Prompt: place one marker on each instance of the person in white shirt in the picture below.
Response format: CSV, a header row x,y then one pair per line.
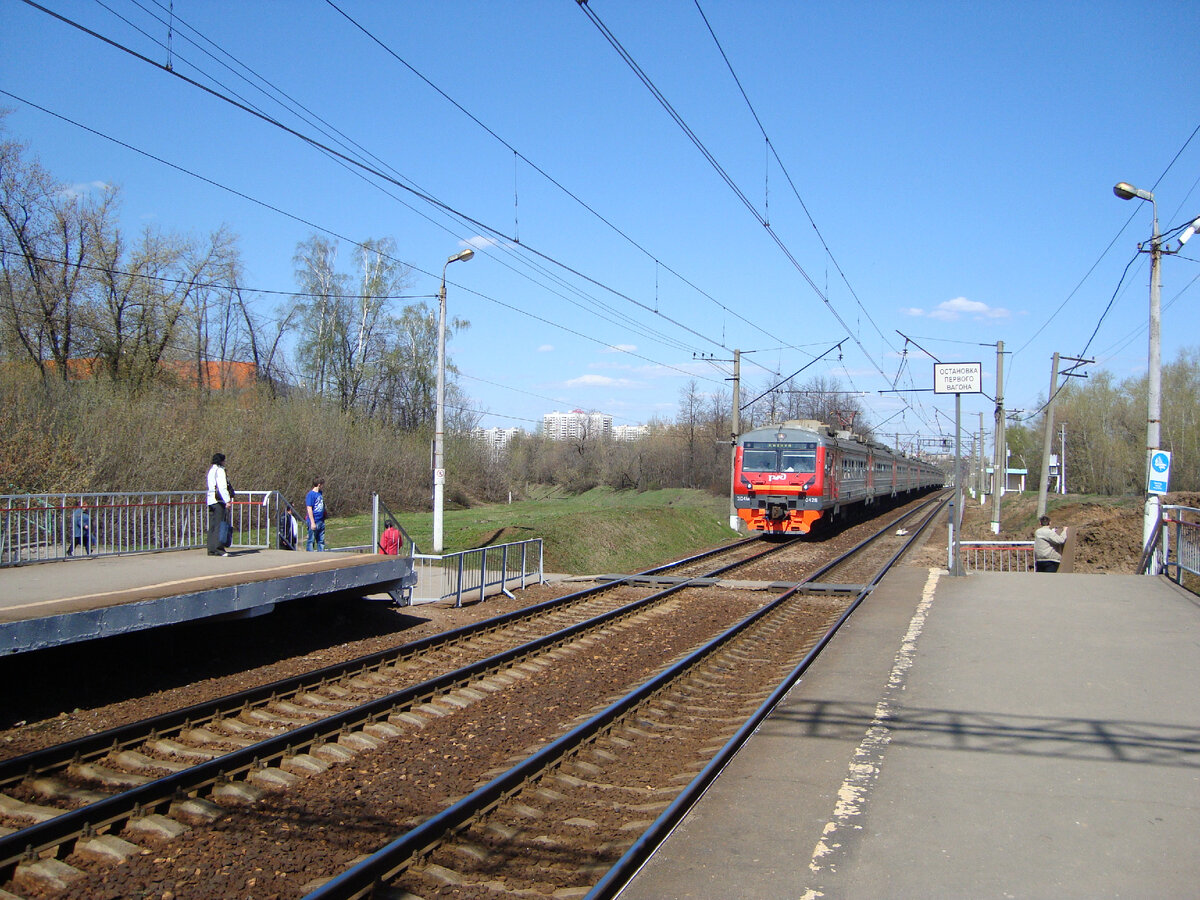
x,y
219,496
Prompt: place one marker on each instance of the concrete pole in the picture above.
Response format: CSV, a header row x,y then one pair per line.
x,y
956,514
1062,458
1048,438
439,460
981,472
1154,417
1000,450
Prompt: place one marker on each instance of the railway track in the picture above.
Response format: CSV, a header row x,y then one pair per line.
x,y
193,767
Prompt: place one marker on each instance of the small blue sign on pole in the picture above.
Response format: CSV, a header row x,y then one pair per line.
x,y
1160,472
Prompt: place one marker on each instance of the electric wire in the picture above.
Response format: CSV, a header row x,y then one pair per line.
x,y
537,168
420,194
633,65
337,235
786,174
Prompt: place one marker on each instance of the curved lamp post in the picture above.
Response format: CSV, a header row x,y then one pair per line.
x,y
1127,191
439,464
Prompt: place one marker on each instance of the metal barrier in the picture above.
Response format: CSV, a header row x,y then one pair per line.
x,y
1182,552
997,556
45,527
471,573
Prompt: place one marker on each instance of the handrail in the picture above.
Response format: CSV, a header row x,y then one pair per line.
x,y
471,573
51,527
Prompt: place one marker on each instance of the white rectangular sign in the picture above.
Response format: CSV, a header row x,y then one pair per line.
x,y
958,378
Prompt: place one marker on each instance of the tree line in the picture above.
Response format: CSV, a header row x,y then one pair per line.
x,y
109,339
108,342
1104,420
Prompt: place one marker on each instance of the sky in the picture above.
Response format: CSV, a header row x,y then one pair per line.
x,y
903,181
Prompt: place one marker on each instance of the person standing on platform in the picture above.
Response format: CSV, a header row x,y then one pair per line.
x,y
1047,546
219,497
289,529
314,511
391,540
81,530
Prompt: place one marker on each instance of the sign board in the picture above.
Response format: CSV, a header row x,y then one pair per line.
x,y
1160,472
958,378
439,476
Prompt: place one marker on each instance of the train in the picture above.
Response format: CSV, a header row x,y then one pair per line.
x,y
788,477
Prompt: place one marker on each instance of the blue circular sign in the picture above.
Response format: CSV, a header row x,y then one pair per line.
x,y
1161,462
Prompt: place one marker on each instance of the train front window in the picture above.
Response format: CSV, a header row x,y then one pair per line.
x,y
802,461
759,461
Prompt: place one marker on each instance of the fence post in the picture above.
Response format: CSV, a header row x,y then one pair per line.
x,y
504,569
374,522
483,575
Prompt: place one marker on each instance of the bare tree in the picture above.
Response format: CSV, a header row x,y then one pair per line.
x,y
48,241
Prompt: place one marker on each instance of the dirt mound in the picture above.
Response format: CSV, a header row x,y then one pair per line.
x,y
1108,530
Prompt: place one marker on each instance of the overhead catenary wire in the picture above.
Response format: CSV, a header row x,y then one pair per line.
x,y
724,176
517,154
770,146
339,236
482,227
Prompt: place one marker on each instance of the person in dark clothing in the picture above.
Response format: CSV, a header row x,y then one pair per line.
x,y
289,532
81,530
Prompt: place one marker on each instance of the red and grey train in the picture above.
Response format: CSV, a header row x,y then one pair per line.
x,y
787,477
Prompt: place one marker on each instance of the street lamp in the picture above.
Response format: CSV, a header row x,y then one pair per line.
x,y
1127,191
439,464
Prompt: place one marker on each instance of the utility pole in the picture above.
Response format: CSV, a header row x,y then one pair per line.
x,y
981,475
1062,458
1047,438
1000,456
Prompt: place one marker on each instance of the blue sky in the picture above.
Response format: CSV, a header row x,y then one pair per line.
x,y
957,161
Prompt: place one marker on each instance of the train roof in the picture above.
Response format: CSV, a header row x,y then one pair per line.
x,y
796,430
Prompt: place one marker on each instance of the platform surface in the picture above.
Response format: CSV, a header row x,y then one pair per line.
x,y
55,603
1007,736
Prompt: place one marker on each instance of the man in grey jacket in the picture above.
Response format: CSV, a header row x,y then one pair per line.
x,y
1047,546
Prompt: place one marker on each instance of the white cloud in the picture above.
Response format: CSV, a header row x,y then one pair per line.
x,y
953,310
546,348
481,242
601,381
958,308
72,191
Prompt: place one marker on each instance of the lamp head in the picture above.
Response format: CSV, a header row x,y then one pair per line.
x,y
1187,233
1127,191
461,256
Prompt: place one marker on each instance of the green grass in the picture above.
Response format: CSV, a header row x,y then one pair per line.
x,y
600,531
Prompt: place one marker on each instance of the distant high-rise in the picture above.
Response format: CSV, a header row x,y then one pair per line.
x,y
567,426
630,432
496,439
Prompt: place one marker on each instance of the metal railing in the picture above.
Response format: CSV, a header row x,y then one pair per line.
x,y
46,527
472,574
1179,537
997,556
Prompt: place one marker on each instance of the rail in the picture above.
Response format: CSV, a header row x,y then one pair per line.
x,y
1179,541
49,527
473,573
997,556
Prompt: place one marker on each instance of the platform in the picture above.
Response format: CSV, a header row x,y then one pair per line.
x,y
55,603
1008,735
